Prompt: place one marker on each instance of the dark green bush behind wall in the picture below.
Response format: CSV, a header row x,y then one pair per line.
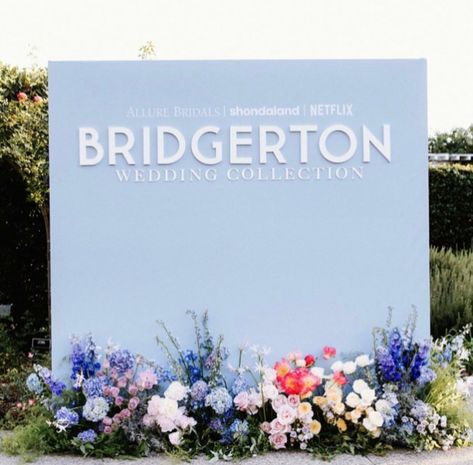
x,y
451,206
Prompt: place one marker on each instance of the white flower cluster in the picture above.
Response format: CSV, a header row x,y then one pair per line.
x,y
293,424
360,407
95,409
166,413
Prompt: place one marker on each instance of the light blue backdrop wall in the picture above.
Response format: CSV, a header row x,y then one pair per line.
x,y
292,264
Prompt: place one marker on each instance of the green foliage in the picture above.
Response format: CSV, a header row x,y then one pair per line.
x,y
451,290
33,439
451,206
459,140
444,396
23,280
24,127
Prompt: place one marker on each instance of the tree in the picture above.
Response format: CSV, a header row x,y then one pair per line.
x,y
459,140
24,138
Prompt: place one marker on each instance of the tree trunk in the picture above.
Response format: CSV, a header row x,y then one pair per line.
x,y
45,212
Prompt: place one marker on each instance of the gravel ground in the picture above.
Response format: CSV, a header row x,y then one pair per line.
x,y
454,457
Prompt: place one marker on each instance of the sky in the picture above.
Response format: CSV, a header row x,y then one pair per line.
x,y
33,32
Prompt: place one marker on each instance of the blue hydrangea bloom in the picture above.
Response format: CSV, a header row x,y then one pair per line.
x,y
95,409
219,400
65,417
199,391
122,361
93,387
33,383
87,436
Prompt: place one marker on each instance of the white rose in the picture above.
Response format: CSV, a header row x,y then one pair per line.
x,y
169,408
375,418
153,406
175,438
300,362
318,371
176,391
349,368
337,366
286,415
368,396
363,361
352,400
359,386
270,391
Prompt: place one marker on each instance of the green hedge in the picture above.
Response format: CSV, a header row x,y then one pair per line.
x,y
451,289
451,206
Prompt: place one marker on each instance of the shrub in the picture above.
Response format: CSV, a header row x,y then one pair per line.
x,y
451,290
451,206
459,140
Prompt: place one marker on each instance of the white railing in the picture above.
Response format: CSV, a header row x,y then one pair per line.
x,y
455,157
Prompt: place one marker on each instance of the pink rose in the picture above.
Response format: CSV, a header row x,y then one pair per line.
x,y
265,427
107,421
114,391
37,99
21,96
133,390
242,401
278,441
125,413
118,401
107,430
279,402
276,427
122,382
293,400
287,415
133,403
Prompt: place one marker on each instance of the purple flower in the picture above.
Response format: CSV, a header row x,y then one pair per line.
x,y
65,418
87,436
93,387
122,361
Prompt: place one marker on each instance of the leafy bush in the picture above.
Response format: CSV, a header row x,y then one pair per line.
x,y
451,206
459,140
451,290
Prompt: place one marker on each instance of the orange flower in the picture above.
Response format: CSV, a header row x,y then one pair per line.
x,y
282,369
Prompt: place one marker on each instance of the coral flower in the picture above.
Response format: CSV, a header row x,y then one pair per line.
x,y
340,378
329,352
309,383
291,383
21,96
282,369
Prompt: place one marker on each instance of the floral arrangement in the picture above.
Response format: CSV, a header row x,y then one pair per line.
x,y
407,393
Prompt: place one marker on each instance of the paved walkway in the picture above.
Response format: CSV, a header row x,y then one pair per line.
x,y
453,457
